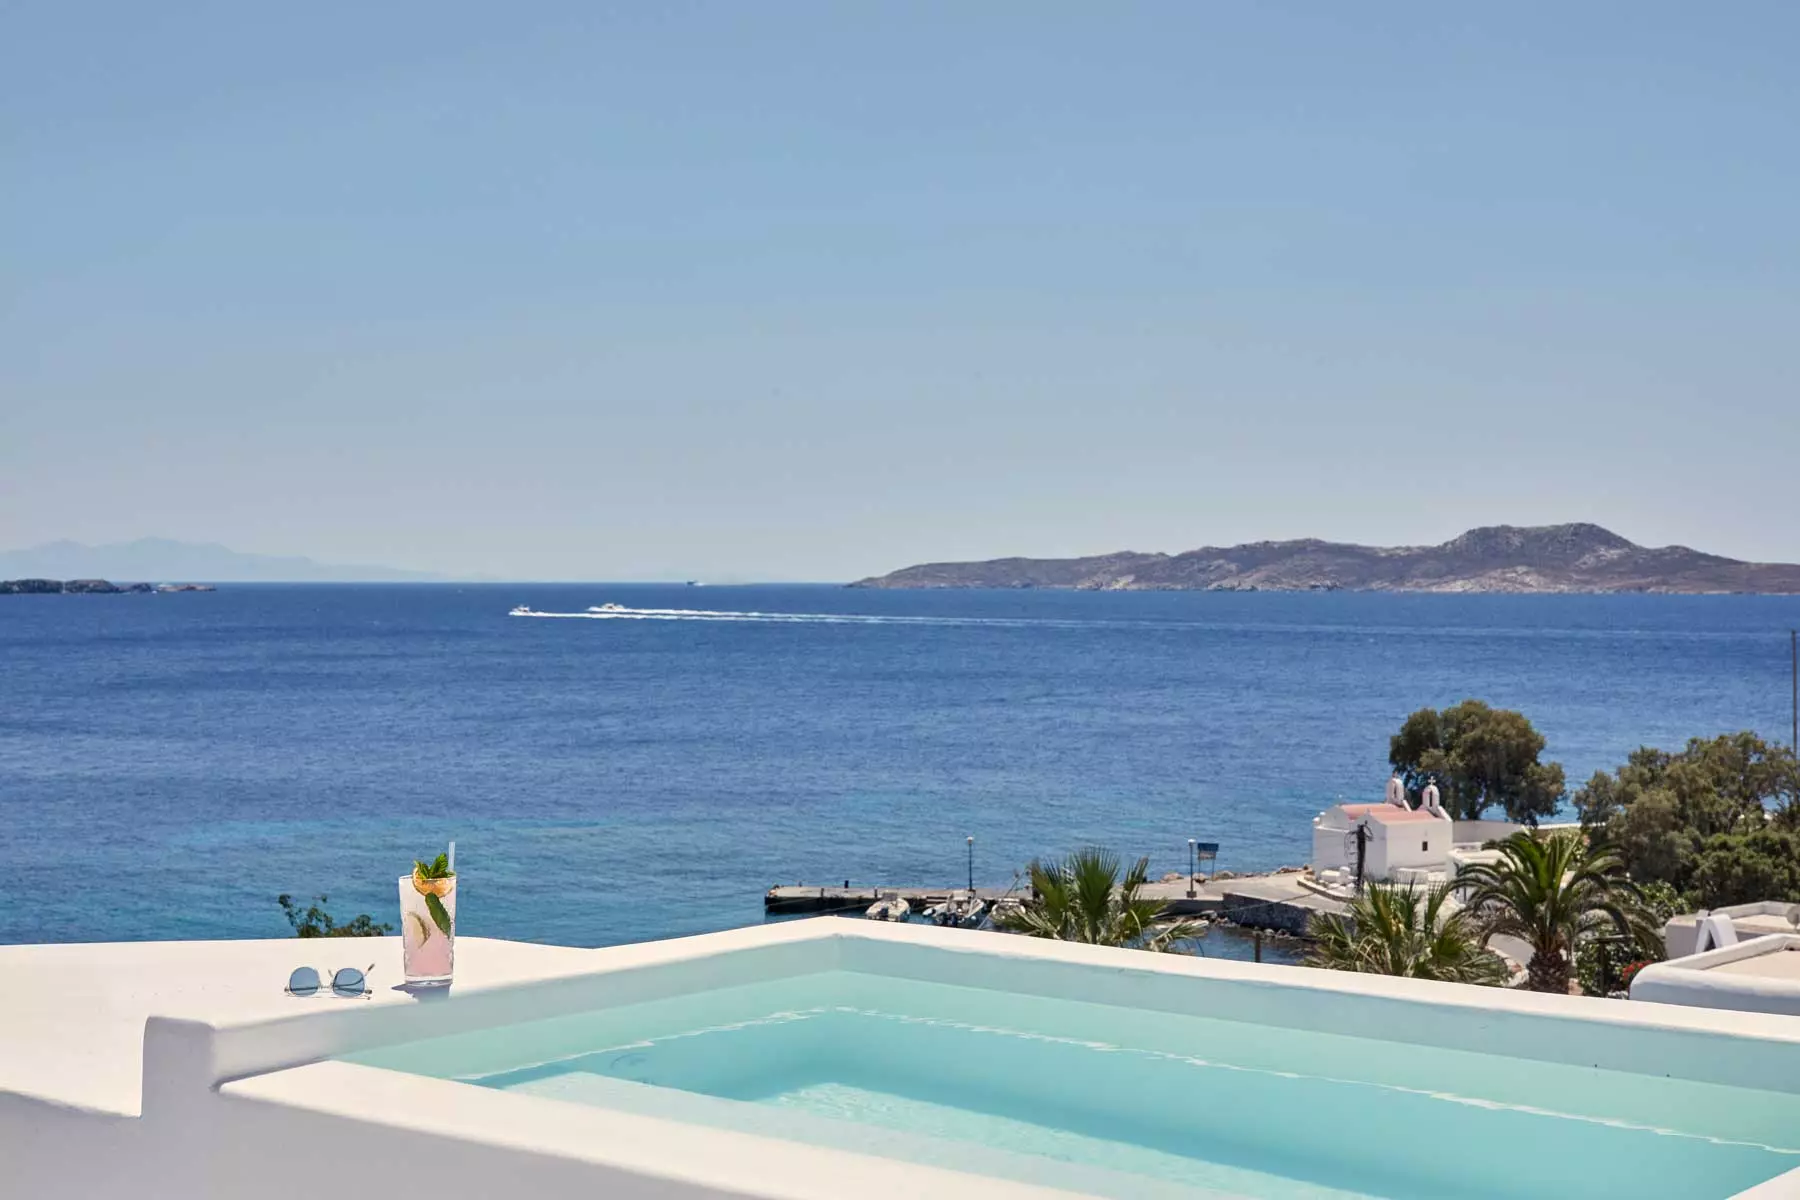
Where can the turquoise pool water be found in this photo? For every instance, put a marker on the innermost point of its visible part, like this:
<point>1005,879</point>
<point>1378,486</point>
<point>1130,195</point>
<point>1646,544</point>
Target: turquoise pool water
<point>1129,1103</point>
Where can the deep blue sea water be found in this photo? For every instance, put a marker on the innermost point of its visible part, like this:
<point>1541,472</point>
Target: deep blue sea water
<point>168,764</point>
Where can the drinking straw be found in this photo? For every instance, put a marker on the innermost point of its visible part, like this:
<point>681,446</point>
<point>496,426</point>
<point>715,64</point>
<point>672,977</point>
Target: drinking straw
<point>453,858</point>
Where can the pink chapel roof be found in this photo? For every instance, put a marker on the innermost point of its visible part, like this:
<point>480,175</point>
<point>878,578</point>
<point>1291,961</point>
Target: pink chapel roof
<point>1387,814</point>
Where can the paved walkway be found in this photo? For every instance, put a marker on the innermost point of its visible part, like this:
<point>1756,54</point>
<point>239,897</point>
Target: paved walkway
<point>1210,893</point>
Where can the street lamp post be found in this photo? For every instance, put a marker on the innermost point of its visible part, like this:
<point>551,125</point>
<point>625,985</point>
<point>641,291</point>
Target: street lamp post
<point>971,865</point>
<point>1193,861</point>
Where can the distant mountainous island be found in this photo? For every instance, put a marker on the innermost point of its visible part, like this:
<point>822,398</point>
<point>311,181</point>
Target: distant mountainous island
<point>1495,558</point>
<point>161,558</point>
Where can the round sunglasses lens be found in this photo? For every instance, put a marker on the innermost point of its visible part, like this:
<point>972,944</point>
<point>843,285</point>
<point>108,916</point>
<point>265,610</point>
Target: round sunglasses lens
<point>303,982</point>
<point>348,981</point>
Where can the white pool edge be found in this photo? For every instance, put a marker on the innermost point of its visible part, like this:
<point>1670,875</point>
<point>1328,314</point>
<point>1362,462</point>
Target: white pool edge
<point>608,1152</point>
<point>234,1102</point>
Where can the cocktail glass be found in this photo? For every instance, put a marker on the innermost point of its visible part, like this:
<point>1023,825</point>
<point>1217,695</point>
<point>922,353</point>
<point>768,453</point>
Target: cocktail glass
<point>428,931</point>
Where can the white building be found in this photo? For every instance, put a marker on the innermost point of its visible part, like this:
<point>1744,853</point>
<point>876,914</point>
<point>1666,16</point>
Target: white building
<point>1681,936</point>
<point>1400,840</point>
<point>1401,843</point>
<point>1760,975</point>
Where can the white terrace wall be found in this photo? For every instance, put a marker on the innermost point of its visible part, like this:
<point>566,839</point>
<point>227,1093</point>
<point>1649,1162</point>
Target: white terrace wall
<point>222,1119</point>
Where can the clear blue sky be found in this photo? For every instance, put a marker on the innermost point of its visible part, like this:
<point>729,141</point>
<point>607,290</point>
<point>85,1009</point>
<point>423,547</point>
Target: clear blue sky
<point>798,290</point>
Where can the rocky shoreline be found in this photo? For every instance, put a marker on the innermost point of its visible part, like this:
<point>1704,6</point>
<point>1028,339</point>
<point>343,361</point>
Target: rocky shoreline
<point>93,587</point>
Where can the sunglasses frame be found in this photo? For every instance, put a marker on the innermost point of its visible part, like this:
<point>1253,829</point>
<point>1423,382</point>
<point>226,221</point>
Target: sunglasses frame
<point>346,992</point>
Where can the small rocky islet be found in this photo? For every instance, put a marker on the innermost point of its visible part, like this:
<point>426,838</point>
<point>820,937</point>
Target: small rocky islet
<point>93,587</point>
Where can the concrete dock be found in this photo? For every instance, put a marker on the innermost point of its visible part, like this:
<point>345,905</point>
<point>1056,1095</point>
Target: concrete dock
<point>1276,901</point>
<point>799,898</point>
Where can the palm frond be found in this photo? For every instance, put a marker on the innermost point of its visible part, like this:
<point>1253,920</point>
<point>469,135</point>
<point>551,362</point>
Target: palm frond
<point>1394,930</point>
<point>1554,891</point>
<point>1083,899</point>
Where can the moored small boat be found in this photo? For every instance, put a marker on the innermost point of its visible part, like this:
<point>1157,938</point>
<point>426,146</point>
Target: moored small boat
<point>889,908</point>
<point>1006,906</point>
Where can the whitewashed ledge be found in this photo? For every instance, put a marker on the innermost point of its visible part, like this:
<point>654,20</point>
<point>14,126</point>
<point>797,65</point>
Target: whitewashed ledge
<point>1761,975</point>
<point>182,1071</point>
<point>72,1015</point>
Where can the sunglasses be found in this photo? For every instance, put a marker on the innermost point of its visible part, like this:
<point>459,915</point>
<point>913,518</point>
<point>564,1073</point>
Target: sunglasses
<point>347,981</point>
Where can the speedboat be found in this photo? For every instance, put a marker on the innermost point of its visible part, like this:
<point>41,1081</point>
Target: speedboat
<point>521,610</point>
<point>1007,906</point>
<point>607,608</point>
<point>973,915</point>
<point>889,908</point>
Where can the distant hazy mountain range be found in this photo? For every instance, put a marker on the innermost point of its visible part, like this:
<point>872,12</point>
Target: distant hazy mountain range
<point>158,559</point>
<point>1497,558</point>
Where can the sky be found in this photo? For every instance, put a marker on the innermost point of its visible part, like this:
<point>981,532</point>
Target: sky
<point>817,290</point>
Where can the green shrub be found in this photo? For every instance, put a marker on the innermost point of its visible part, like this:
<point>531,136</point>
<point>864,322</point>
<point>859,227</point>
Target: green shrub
<point>1742,868</point>
<point>1664,813</point>
<point>1604,965</point>
<point>314,921</point>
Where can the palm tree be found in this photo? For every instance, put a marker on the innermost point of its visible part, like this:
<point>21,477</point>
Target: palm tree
<point>1391,930</point>
<point>1552,891</point>
<point>1081,899</point>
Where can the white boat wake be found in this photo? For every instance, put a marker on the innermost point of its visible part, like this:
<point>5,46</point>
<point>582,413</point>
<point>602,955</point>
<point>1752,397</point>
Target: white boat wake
<point>617,612</point>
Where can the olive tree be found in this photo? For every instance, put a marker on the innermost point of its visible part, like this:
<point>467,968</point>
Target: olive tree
<point>1480,756</point>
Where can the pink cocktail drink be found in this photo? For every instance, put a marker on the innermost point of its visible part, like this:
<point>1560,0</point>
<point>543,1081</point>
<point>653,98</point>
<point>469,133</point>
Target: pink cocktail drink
<point>428,929</point>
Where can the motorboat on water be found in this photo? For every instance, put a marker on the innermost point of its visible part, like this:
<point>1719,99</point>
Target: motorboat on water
<point>1006,906</point>
<point>521,610</point>
<point>959,908</point>
<point>607,608</point>
<point>889,908</point>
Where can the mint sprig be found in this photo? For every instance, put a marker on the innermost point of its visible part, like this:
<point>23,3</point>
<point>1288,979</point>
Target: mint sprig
<point>437,868</point>
<point>438,912</point>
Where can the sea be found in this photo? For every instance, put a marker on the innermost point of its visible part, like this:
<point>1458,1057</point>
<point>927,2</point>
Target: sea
<point>170,764</point>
